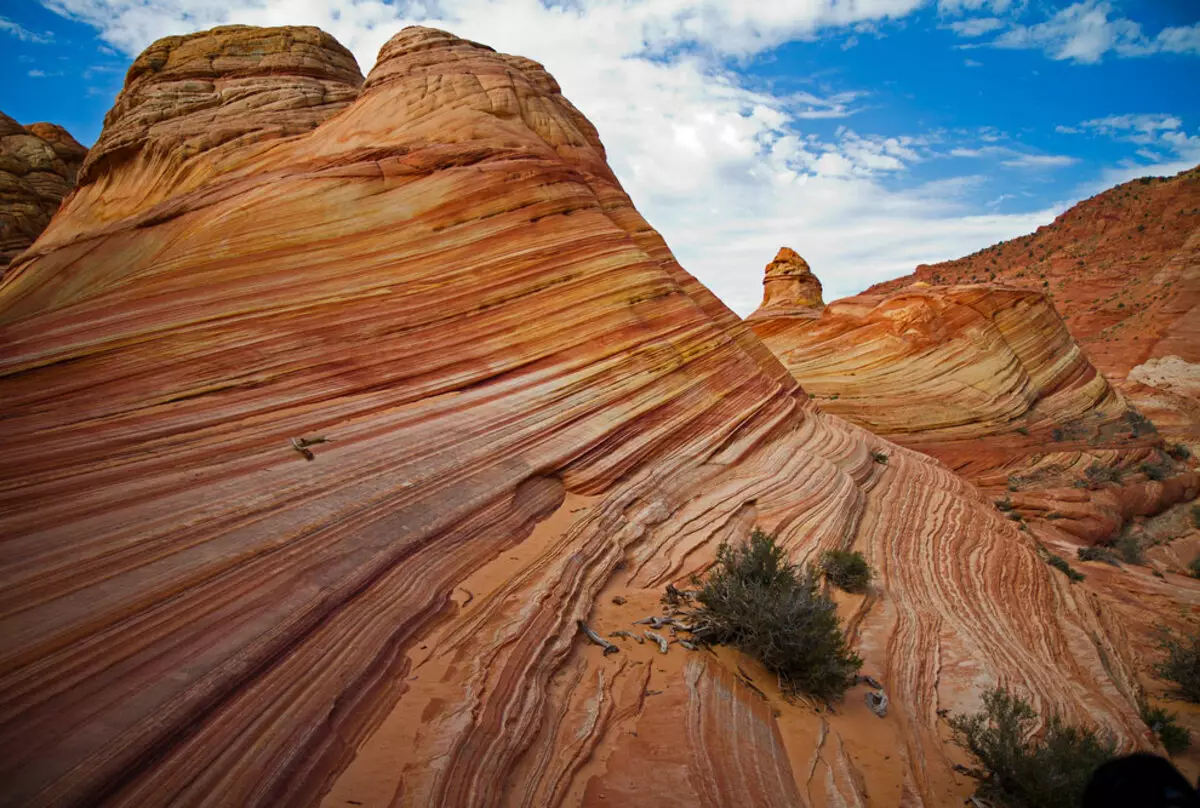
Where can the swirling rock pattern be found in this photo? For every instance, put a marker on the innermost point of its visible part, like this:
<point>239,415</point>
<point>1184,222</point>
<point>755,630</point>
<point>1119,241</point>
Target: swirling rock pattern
<point>988,380</point>
<point>38,166</point>
<point>518,407</point>
<point>1123,268</point>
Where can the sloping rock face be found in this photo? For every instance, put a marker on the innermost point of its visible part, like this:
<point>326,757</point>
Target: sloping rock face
<point>790,289</point>
<point>38,165</point>
<point>1123,268</point>
<point>518,407</point>
<point>988,380</point>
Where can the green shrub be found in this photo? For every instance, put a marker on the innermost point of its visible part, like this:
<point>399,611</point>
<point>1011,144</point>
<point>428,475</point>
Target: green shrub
<point>1182,665</point>
<point>1049,772</point>
<point>1174,738</point>
<point>845,570</point>
<point>1098,554</point>
<point>755,601</point>
<point>1196,516</point>
<point>880,457</point>
<point>1155,471</point>
<point>1180,451</point>
<point>1130,549</point>
<point>1062,566</point>
<point>1139,424</point>
<point>1098,474</point>
<point>1194,567</point>
<point>1004,504</point>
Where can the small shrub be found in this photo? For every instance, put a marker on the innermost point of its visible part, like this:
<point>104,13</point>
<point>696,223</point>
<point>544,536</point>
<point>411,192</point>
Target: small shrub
<point>1049,772</point>
<point>1182,665</point>
<point>1180,451</point>
<point>1098,554</point>
<point>1098,474</point>
<point>755,601</point>
<point>846,570</point>
<point>1195,516</point>
<point>1062,566</point>
<point>880,457</point>
<point>1194,567</point>
<point>1022,430</point>
<point>1174,738</point>
<point>1140,424</point>
<point>1155,471</point>
<point>1004,504</point>
<point>1129,549</point>
<point>1056,434</point>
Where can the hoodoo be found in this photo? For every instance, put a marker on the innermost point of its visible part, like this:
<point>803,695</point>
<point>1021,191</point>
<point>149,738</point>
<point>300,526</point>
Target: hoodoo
<point>332,408</point>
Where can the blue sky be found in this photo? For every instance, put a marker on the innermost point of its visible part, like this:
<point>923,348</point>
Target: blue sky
<point>869,136</point>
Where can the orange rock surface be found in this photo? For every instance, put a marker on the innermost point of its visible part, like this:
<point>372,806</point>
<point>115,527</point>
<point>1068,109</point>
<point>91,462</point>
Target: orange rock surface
<point>988,380</point>
<point>789,288</point>
<point>1123,268</point>
<point>38,165</point>
<point>518,407</point>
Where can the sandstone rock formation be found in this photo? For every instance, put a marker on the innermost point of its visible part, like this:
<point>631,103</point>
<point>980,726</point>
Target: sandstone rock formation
<point>38,165</point>
<point>1123,268</point>
<point>518,407</point>
<point>988,380</point>
<point>789,288</point>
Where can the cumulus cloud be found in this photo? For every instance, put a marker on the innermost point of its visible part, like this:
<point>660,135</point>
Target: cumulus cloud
<point>726,172</point>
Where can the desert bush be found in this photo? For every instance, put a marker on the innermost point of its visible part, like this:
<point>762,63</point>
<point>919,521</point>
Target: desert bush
<point>1196,516</point>
<point>1139,424</point>
<point>1129,548</point>
<point>1003,504</point>
<point>1180,451</point>
<point>1098,474</point>
<point>1182,665</point>
<point>1155,471</point>
<point>846,570</point>
<point>1049,772</point>
<point>1098,554</point>
<point>1174,738</point>
<point>1194,567</point>
<point>1062,566</point>
<point>880,457</point>
<point>755,601</point>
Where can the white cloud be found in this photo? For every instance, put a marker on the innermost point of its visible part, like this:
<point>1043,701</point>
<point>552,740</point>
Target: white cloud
<point>726,173</point>
<point>972,63</point>
<point>1084,32</point>
<point>37,74</point>
<point>977,26</point>
<point>1041,161</point>
<point>22,33</point>
<point>1164,147</point>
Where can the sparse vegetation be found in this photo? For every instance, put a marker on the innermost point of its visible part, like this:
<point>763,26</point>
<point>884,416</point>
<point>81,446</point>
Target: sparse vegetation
<point>1180,451</point>
<point>1022,772</point>
<point>1098,554</point>
<point>1155,471</point>
<point>1182,665</point>
<point>1174,738</point>
<point>1194,567</point>
<point>880,457</point>
<point>1059,563</point>
<point>1196,516</point>
<point>757,602</point>
<point>1098,474</point>
<point>1004,504</point>
<point>1129,548</point>
<point>1140,424</point>
<point>846,570</point>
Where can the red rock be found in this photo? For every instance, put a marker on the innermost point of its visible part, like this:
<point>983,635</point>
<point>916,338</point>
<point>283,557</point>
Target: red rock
<point>789,288</point>
<point>529,407</point>
<point>38,164</point>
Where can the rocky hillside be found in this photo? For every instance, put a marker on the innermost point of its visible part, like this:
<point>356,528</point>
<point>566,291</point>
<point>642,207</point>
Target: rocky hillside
<point>1111,265</point>
<point>333,407</point>
<point>38,166</point>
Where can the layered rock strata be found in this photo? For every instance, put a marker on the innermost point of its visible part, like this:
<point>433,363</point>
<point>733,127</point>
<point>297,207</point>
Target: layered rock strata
<point>330,412</point>
<point>1123,268</point>
<point>988,380</point>
<point>790,289</point>
<point>38,166</point>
